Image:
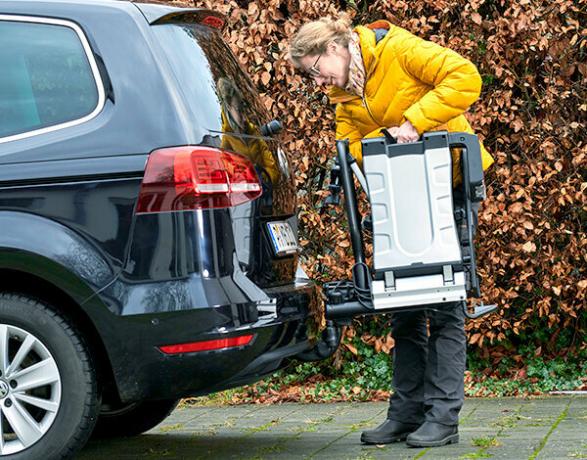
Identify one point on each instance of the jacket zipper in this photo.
(364, 99)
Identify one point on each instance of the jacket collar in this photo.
(370, 52)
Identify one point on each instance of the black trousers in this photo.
(428, 370)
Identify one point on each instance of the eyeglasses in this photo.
(315, 71)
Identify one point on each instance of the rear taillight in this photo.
(207, 345)
(184, 178)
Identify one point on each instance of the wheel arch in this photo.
(38, 288)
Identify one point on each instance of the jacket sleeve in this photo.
(455, 81)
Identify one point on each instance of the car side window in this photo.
(47, 77)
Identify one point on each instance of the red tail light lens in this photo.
(213, 21)
(184, 178)
(207, 345)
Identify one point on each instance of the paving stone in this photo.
(572, 426)
(521, 427)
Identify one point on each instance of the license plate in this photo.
(283, 238)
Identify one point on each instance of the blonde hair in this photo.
(313, 37)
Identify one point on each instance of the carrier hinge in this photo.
(389, 279)
(447, 274)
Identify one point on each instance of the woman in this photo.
(380, 76)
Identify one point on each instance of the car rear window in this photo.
(45, 77)
(219, 95)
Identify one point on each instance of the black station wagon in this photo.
(148, 232)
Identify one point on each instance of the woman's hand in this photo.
(393, 131)
(406, 133)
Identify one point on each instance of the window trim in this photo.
(93, 66)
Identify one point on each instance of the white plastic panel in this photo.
(411, 200)
(418, 290)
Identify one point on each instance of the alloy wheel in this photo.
(30, 389)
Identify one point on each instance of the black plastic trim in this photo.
(472, 164)
(74, 170)
(435, 140)
(376, 145)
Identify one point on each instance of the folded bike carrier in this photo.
(424, 255)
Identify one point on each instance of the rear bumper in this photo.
(264, 364)
(163, 376)
(142, 371)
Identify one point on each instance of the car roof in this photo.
(153, 3)
(152, 10)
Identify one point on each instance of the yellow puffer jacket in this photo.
(407, 78)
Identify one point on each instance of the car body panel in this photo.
(47, 249)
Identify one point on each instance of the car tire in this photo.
(132, 419)
(48, 388)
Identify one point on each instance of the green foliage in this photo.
(488, 79)
(368, 371)
(542, 376)
(373, 371)
(479, 454)
(486, 441)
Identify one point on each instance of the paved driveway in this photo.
(551, 428)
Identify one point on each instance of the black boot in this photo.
(388, 432)
(432, 434)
